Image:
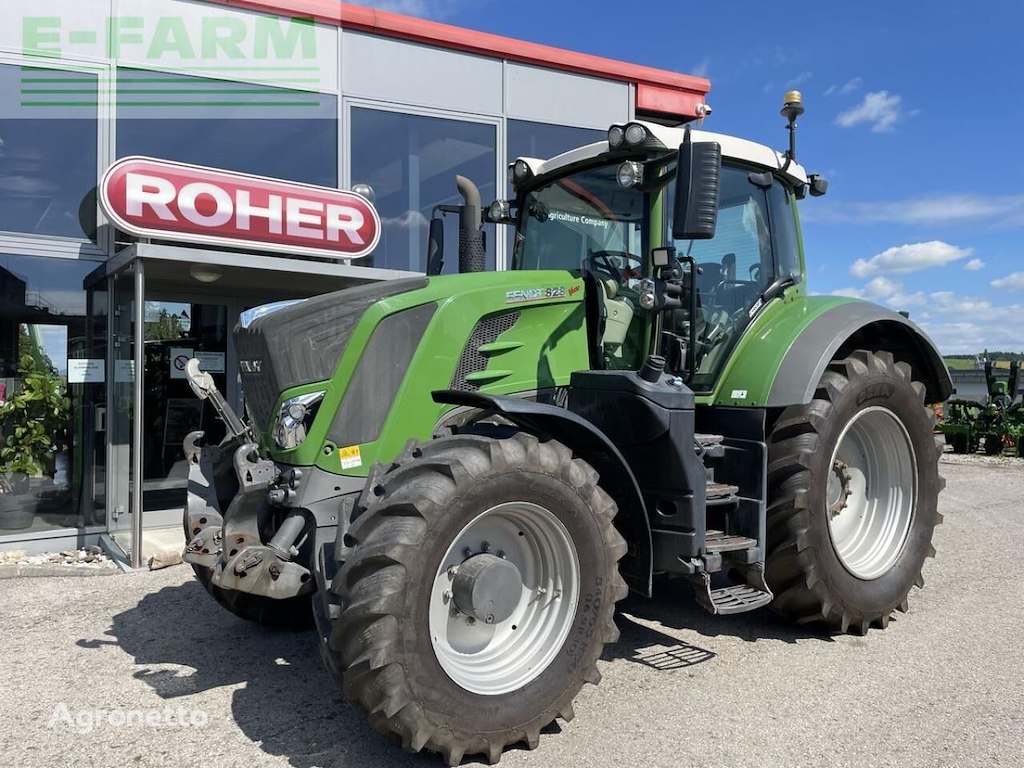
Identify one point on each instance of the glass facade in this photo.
(410, 162)
(530, 139)
(48, 152)
(51, 420)
(254, 129)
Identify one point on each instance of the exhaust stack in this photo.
(472, 245)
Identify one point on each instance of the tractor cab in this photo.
(609, 212)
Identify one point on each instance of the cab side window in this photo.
(735, 267)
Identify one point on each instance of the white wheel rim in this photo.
(875, 468)
(493, 659)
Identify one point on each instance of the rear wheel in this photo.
(854, 491)
(478, 594)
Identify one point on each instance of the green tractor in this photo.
(998, 422)
(458, 477)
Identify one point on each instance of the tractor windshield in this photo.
(588, 222)
(585, 222)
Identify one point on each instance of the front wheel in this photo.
(854, 493)
(478, 594)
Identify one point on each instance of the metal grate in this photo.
(473, 360)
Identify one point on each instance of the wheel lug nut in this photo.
(485, 547)
(470, 620)
(501, 554)
(446, 597)
(467, 552)
(453, 571)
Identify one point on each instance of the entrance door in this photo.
(120, 385)
(178, 328)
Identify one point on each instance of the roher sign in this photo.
(173, 201)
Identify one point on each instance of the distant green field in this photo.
(965, 364)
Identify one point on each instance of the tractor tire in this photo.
(293, 613)
(854, 485)
(413, 640)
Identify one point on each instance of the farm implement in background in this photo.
(995, 426)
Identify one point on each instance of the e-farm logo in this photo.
(218, 60)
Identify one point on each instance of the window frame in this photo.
(497, 122)
(27, 244)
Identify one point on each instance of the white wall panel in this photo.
(546, 96)
(394, 70)
(232, 44)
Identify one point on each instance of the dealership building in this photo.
(310, 92)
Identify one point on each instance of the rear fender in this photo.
(847, 327)
(592, 445)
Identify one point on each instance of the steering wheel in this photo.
(603, 263)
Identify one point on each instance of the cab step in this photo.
(735, 598)
(718, 541)
(710, 446)
(720, 491)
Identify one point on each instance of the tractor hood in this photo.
(302, 342)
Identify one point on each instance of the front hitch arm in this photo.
(205, 389)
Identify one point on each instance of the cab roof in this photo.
(732, 148)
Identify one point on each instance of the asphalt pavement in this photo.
(146, 670)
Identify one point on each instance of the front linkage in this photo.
(228, 507)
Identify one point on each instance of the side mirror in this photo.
(435, 247)
(697, 179)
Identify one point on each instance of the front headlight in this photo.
(295, 418)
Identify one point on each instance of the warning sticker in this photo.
(350, 457)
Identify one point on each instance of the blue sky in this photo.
(914, 111)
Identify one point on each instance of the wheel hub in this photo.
(488, 588)
(504, 598)
(839, 490)
(872, 492)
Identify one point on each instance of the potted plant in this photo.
(34, 427)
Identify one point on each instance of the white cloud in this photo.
(967, 326)
(1012, 282)
(907, 300)
(881, 286)
(702, 68)
(850, 293)
(911, 257)
(958, 324)
(974, 265)
(846, 88)
(947, 301)
(1001, 210)
(879, 109)
(800, 79)
(886, 291)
